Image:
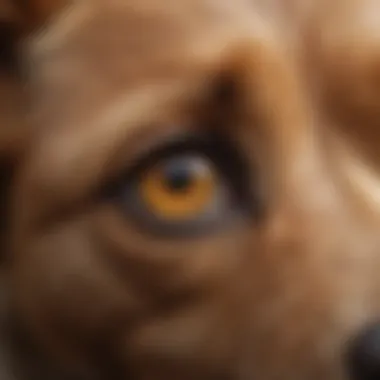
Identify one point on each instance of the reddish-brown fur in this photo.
(276, 297)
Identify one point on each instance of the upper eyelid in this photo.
(187, 142)
(158, 147)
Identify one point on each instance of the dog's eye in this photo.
(179, 188)
(184, 188)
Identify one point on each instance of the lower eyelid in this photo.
(137, 210)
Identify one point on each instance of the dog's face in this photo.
(202, 199)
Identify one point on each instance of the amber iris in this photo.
(179, 188)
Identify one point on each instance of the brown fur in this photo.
(274, 297)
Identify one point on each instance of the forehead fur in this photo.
(95, 51)
(99, 53)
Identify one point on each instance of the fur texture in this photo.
(276, 296)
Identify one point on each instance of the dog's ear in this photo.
(7, 10)
(18, 19)
(32, 14)
(14, 134)
(12, 112)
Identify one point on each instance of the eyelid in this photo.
(220, 152)
(151, 146)
(177, 143)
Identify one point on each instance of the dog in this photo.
(200, 198)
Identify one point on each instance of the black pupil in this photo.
(178, 174)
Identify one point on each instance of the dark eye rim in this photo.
(232, 168)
